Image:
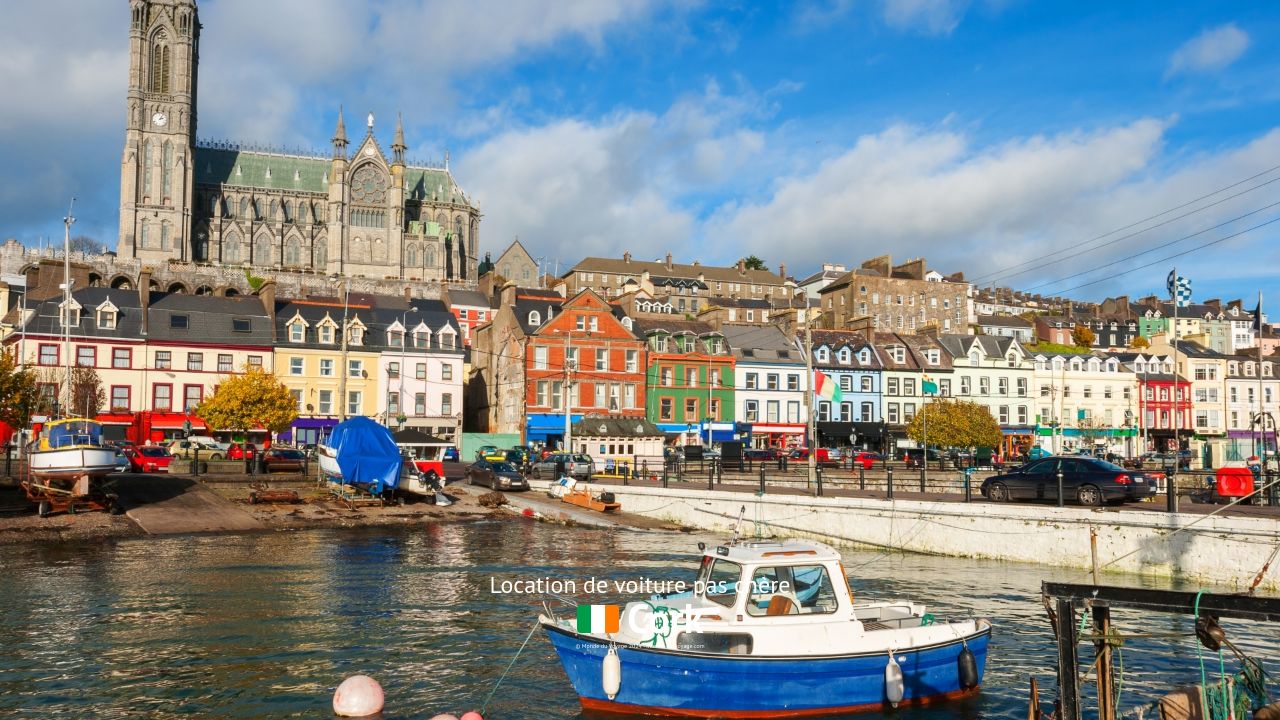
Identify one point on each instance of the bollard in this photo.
(1171, 492)
(8, 460)
(1060, 498)
(782, 462)
(968, 485)
(862, 477)
(922, 471)
(711, 476)
(888, 482)
(195, 464)
(1271, 488)
(306, 465)
(819, 475)
(761, 478)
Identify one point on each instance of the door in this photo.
(1036, 477)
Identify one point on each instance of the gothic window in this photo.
(166, 171)
(159, 80)
(302, 211)
(262, 251)
(148, 156)
(457, 231)
(293, 253)
(431, 256)
(321, 253)
(287, 208)
(164, 235)
(369, 185)
(231, 248)
(443, 222)
(244, 208)
(143, 240)
(411, 255)
(273, 210)
(214, 206)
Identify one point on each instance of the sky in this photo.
(1067, 148)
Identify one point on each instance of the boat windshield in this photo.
(791, 590)
(722, 582)
(75, 432)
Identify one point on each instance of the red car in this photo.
(866, 459)
(148, 459)
(825, 457)
(239, 451)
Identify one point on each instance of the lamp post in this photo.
(404, 341)
(343, 370)
(812, 438)
(566, 392)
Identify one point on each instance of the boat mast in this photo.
(66, 304)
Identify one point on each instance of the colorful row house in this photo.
(690, 381)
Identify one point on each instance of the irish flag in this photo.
(826, 387)
(598, 618)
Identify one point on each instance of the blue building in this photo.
(852, 362)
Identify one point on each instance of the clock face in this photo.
(159, 119)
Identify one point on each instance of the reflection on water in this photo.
(265, 626)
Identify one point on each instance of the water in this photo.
(266, 625)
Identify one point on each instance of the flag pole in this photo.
(1262, 426)
(1177, 407)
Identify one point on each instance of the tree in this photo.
(252, 399)
(751, 262)
(1082, 336)
(87, 395)
(87, 245)
(1139, 342)
(955, 423)
(19, 390)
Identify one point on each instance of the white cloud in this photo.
(1210, 51)
(933, 17)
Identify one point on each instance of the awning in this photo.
(313, 423)
(115, 418)
(1019, 430)
(176, 421)
(777, 429)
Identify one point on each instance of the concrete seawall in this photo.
(1223, 550)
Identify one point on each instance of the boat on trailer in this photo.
(71, 449)
(771, 629)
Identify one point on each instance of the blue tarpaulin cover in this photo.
(367, 454)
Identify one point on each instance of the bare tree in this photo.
(87, 245)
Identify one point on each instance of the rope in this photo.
(484, 709)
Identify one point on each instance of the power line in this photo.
(1007, 270)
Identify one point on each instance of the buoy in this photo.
(527, 512)
(358, 696)
(893, 682)
(445, 716)
(473, 715)
(611, 673)
(967, 668)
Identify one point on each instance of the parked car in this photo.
(760, 454)
(450, 454)
(149, 459)
(496, 475)
(825, 457)
(1086, 480)
(187, 449)
(122, 461)
(518, 456)
(578, 466)
(866, 459)
(491, 452)
(283, 459)
(913, 456)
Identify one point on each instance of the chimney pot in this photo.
(668, 261)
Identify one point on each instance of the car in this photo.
(823, 457)
(450, 454)
(495, 475)
(122, 461)
(866, 459)
(1038, 453)
(913, 456)
(491, 452)
(578, 466)
(186, 448)
(240, 451)
(1086, 480)
(149, 459)
(283, 459)
(518, 456)
(760, 454)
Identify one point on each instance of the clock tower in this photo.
(160, 130)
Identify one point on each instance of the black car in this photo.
(496, 475)
(1086, 480)
(760, 454)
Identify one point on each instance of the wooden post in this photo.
(1068, 690)
(1102, 651)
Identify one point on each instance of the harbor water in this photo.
(266, 625)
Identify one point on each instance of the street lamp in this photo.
(566, 392)
(345, 283)
(404, 341)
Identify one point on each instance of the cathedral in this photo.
(357, 212)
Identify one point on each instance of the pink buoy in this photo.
(358, 696)
(473, 715)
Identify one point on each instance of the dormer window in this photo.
(395, 338)
(448, 340)
(421, 339)
(823, 355)
(626, 323)
(355, 336)
(535, 319)
(106, 319)
(844, 356)
(326, 334)
(297, 332)
(932, 357)
(975, 357)
(864, 357)
(898, 353)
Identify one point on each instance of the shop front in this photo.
(861, 435)
(546, 428)
(308, 431)
(777, 435)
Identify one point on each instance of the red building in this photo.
(1161, 415)
(471, 308)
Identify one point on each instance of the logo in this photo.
(649, 623)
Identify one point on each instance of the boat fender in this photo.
(606, 497)
(611, 673)
(967, 668)
(893, 685)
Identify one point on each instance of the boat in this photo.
(71, 449)
(568, 490)
(360, 454)
(770, 629)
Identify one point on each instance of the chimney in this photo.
(669, 266)
(508, 295)
(144, 298)
(880, 264)
(913, 269)
(742, 267)
(782, 270)
(267, 294)
(626, 257)
(1215, 303)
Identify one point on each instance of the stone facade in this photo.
(360, 214)
(879, 296)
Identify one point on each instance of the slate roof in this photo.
(740, 302)
(546, 302)
(677, 270)
(44, 319)
(654, 324)
(615, 426)
(209, 319)
(992, 346)
(766, 344)
(1196, 350)
(1010, 321)
(466, 298)
(914, 358)
(376, 320)
(837, 339)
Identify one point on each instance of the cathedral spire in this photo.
(340, 137)
(397, 145)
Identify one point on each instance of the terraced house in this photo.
(995, 372)
(690, 380)
(770, 382)
(851, 361)
(907, 359)
(420, 368)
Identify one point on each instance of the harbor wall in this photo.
(1221, 550)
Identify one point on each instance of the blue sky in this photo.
(982, 135)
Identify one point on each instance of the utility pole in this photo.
(808, 396)
(568, 381)
(66, 303)
(344, 370)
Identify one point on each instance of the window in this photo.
(865, 384)
(633, 361)
(355, 336)
(793, 381)
(752, 410)
(225, 363)
(984, 386)
(106, 319)
(771, 381)
(393, 369)
(540, 393)
(908, 412)
(1022, 414)
(690, 409)
(668, 376)
(892, 413)
(121, 358)
(178, 322)
(241, 325)
(1088, 391)
(691, 377)
(539, 358)
(353, 402)
(893, 386)
(1022, 387)
(908, 386)
(48, 355)
(119, 397)
(326, 367)
(629, 395)
(964, 385)
(191, 396)
(713, 408)
(325, 332)
(666, 408)
(87, 356)
(297, 332)
(602, 359)
(393, 403)
(195, 362)
(752, 381)
(1004, 415)
(163, 360)
(446, 372)
(1002, 386)
(355, 368)
(420, 404)
(297, 400)
(326, 402)
(944, 387)
(162, 397)
(420, 371)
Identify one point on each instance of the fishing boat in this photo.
(71, 449)
(770, 629)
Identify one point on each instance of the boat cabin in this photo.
(69, 433)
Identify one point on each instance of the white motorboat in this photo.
(72, 449)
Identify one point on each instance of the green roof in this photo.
(428, 184)
(264, 171)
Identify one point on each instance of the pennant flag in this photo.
(928, 386)
(1257, 316)
(827, 388)
(598, 618)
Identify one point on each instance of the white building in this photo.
(1247, 381)
(420, 369)
(1087, 402)
(769, 384)
(996, 372)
